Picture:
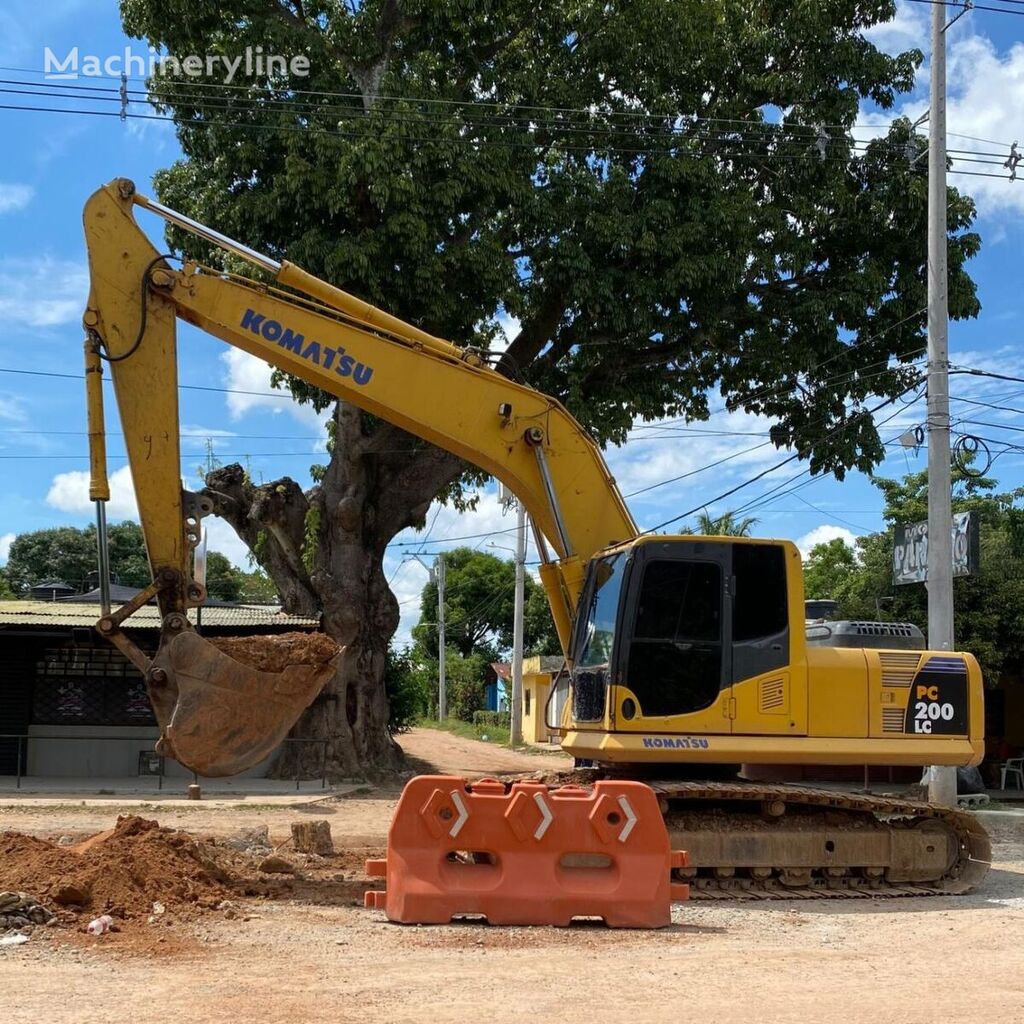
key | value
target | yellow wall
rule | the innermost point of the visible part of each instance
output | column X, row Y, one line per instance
column 536, row 686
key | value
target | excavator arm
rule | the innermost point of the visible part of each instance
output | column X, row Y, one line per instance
column 215, row 715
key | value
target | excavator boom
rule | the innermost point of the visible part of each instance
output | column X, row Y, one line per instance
column 347, row 348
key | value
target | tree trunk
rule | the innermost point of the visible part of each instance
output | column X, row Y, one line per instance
column 324, row 549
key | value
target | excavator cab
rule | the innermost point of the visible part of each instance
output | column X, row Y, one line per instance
column 671, row 624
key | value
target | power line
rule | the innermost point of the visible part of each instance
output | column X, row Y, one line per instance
column 973, row 7
column 973, row 371
column 462, row 140
column 772, row 469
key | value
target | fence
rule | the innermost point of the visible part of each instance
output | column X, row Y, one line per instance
column 23, row 739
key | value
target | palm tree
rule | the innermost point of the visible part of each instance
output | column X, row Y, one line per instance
column 726, row 525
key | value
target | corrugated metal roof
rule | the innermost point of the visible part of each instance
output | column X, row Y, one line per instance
column 67, row 614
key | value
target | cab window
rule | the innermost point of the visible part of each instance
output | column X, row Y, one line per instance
column 598, row 631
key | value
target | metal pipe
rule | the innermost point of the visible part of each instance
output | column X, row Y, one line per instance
column 549, row 489
column 539, row 542
column 179, row 219
column 103, row 556
column 99, row 485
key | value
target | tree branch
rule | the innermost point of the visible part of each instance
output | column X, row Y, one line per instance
column 270, row 520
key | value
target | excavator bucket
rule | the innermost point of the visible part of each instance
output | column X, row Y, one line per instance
column 219, row 715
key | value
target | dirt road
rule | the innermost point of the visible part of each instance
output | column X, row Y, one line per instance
column 318, row 957
column 451, row 755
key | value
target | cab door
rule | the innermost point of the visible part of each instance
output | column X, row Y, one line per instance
column 673, row 673
column 769, row 671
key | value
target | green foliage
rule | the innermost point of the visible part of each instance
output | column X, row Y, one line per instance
column 68, row 553
column 257, row 588
column 492, row 719
column 649, row 258
column 829, row 570
column 62, row 553
column 127, row 548
column 259, row 550
column 539, row 636
column 6, row 593
column 223, row 580
column 311, row 537
column 479, row 601
column 987, row 607
column 726, row 525
column 465, row 682
column 408, row 689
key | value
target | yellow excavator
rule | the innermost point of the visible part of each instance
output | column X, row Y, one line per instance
column 685, row 654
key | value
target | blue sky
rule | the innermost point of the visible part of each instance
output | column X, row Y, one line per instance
column 53, row 161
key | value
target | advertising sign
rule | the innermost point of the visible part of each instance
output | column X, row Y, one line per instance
column 910, row 549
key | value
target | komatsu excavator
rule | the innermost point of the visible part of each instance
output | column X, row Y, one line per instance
column 685, row 654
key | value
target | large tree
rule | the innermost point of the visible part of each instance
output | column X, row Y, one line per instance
column 664, row 194
column 68, row 553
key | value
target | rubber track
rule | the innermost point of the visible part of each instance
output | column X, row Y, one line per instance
column 965, row 875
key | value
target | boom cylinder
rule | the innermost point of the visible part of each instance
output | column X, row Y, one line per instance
column 99, row 484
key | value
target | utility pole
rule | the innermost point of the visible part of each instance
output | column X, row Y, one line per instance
column 442, row 693
column 941, row 779
column 516, row 709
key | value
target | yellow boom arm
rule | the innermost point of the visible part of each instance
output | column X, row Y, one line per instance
column 345, row 347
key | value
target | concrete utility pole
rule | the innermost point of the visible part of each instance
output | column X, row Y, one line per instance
column 516, row 709
column 941, row 780
column 442, row 693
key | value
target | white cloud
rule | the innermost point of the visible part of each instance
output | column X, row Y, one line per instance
column 489, row 528
column 69, row 492
column 12, row 408
column 15, row 197
column 907, row 31
column 984, row 90
column 661, row 451
column 510, row 328
column 822, row 535
column 42, row 292
column 220, row 537
column 248, row 381
column 6, row 540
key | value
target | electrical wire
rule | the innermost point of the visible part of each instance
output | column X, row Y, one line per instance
column 772, row 469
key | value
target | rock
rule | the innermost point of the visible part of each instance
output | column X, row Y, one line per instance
column 275, row 864
column 69, row 894
column 158, row 908
column 66, row 841
column 313, row 837
column 250, row 840
column 10, row 901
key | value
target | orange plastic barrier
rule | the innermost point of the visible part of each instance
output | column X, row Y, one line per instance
column 527, row 854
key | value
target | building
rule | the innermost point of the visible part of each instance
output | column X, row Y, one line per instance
column 539, row 674
column 71, row 705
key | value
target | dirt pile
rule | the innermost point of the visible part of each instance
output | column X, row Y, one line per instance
column 276, row 653
column 125, row 869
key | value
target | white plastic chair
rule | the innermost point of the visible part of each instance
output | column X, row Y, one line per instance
column 1013, row 768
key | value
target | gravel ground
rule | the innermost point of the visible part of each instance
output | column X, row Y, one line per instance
column 912, row 961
